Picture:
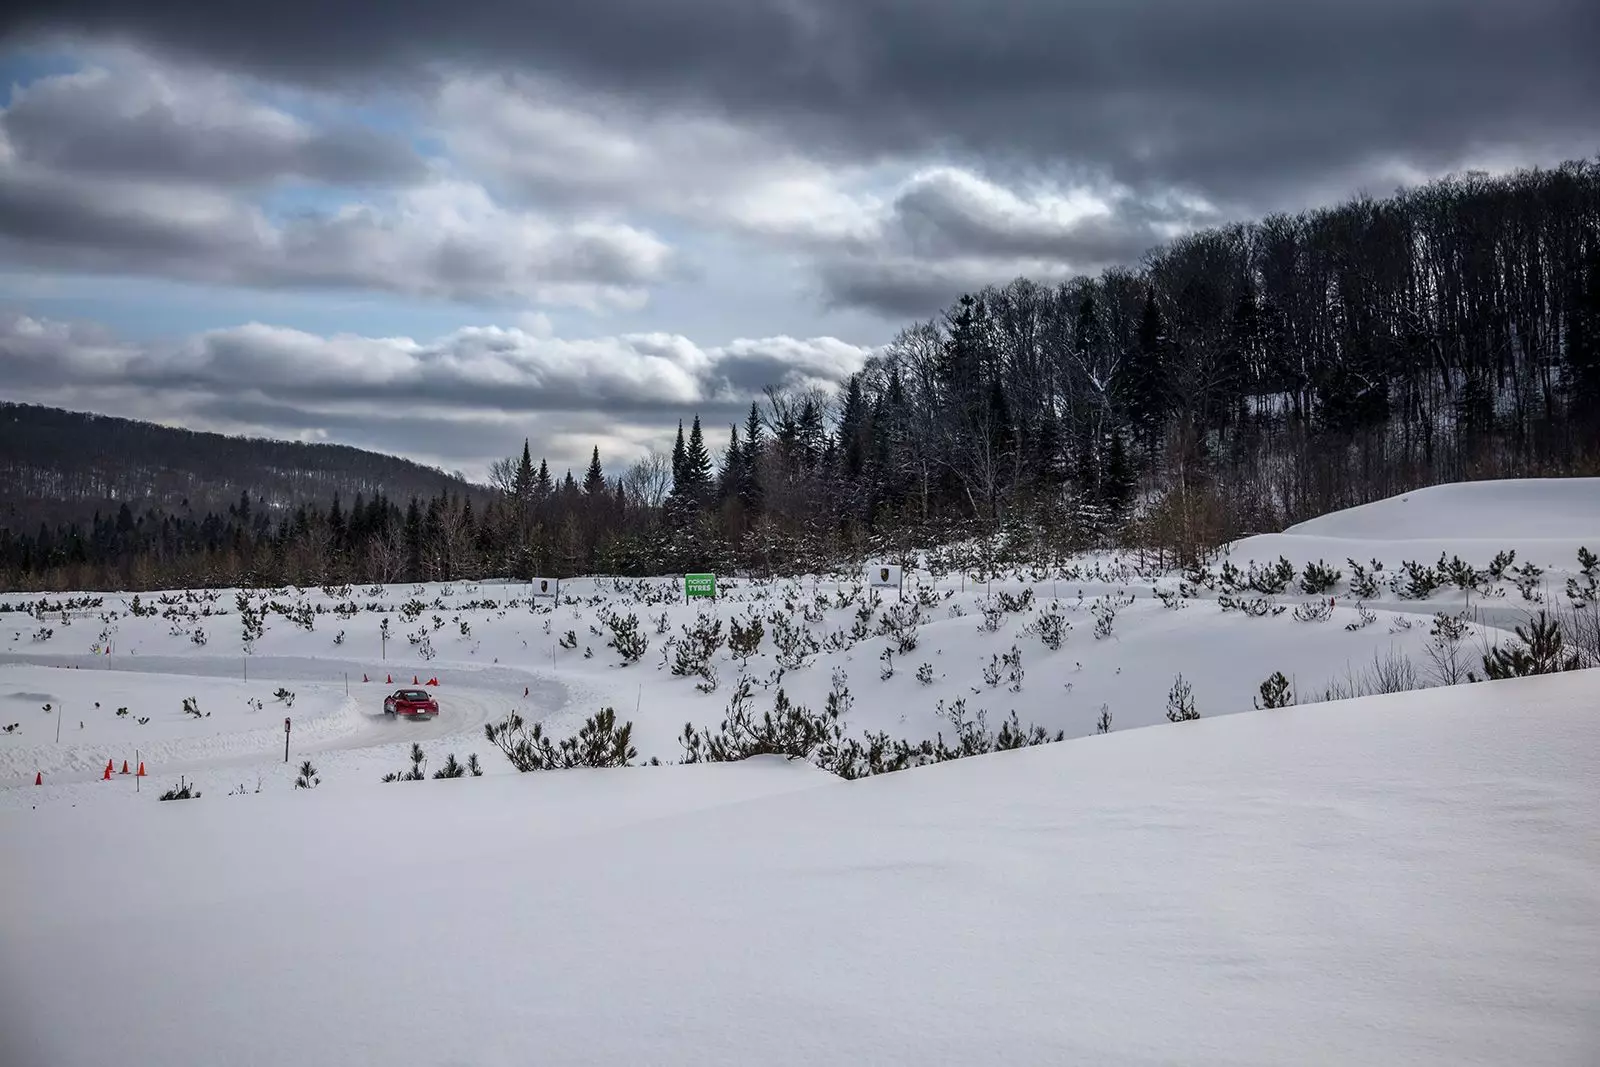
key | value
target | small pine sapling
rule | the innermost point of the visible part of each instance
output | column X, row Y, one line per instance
column 1180, row 702
column 1275, row 692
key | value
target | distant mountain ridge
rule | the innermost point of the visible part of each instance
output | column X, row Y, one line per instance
column 58, row 465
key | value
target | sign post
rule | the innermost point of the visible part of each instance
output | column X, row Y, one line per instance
column 696, row 586
column 887, row 577
column 286, row 739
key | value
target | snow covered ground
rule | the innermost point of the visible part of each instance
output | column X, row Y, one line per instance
column 1128, row 635
column 1402, row 879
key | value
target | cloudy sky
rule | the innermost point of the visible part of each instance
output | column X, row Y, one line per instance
column 437, row 228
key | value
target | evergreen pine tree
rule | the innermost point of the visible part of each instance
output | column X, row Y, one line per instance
column 680, row 478
column 1147, row 376
column 697, row 469
column 594, row 481
column 523, row 484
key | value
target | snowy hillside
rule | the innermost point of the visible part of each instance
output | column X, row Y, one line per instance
column 1409, row 877
column 1404, row 879
column 1068, row 646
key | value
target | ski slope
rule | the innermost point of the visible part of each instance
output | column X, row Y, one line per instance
column 1407, row 879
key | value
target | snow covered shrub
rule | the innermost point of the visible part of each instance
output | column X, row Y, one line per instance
column 693, row 651
column 1103, row 724
column 285, row 696
column 182, row 791
column 192, row 707
column 1364, row 583
column 887, row 670
column 744, row 638
column 900, row 624
column 599, row 743
column 1444, row 649
column 1012, row 662
column 1501, row 563
column 415, row 774
column 788, row 729
column 1318, row 578
column 1542, row 651
column 1527, row 578
column 1275, row 692
column 794, row 644
column 1050, row 627
column 925, row 673
column 1364, row 618
column 993, row 618
column 626, row 637
column 568, row 640
column 1014, row 604
column 1272, row 580
column 453, row 768
column 1315, row 611
column 308, row 777
column 1174, row 601
column 1415, row 581
column 1255, row 607
column 1180, row 702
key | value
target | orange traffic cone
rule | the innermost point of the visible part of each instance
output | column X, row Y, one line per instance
column 524, row 690
column 364, row 678
column 38, row 778
column 141, row 770
column 108, row 768
column 124, row 766
column 107, row 776
column 388, row 679
column 414, row 680
column 433, row 681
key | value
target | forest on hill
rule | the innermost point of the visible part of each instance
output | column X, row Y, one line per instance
column 64, row 466
column 1238, row 380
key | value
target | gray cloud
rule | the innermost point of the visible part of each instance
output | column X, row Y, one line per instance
column 456, row 400
column 135, row 120
column 131, row 169
column 1240, row 98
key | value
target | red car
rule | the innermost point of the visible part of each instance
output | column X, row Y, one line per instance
column 412, row 703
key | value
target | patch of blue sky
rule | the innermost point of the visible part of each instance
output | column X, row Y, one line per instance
column 22, row 67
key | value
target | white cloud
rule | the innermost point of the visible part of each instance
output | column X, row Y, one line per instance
column 542, row 143
column 134, row 168
column 464, row 395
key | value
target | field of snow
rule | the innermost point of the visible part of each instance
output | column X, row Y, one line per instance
column 1407, row 879
column 1126, row 635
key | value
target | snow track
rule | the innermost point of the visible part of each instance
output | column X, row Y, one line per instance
column 343, row 730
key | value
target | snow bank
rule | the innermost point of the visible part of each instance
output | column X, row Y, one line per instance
column 1410, row 879
column 1544, row 520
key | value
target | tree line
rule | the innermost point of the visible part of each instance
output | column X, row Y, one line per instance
column 1238, row 380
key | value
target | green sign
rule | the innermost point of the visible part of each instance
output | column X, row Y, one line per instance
column 699, row 585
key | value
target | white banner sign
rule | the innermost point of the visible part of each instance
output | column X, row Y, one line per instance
column 546, row 587
column 885, row 575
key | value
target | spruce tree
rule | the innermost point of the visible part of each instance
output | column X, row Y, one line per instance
column 1147, row 376
column 594, row 482
column 697, row 469
column 679, row 476
column 522, row 486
